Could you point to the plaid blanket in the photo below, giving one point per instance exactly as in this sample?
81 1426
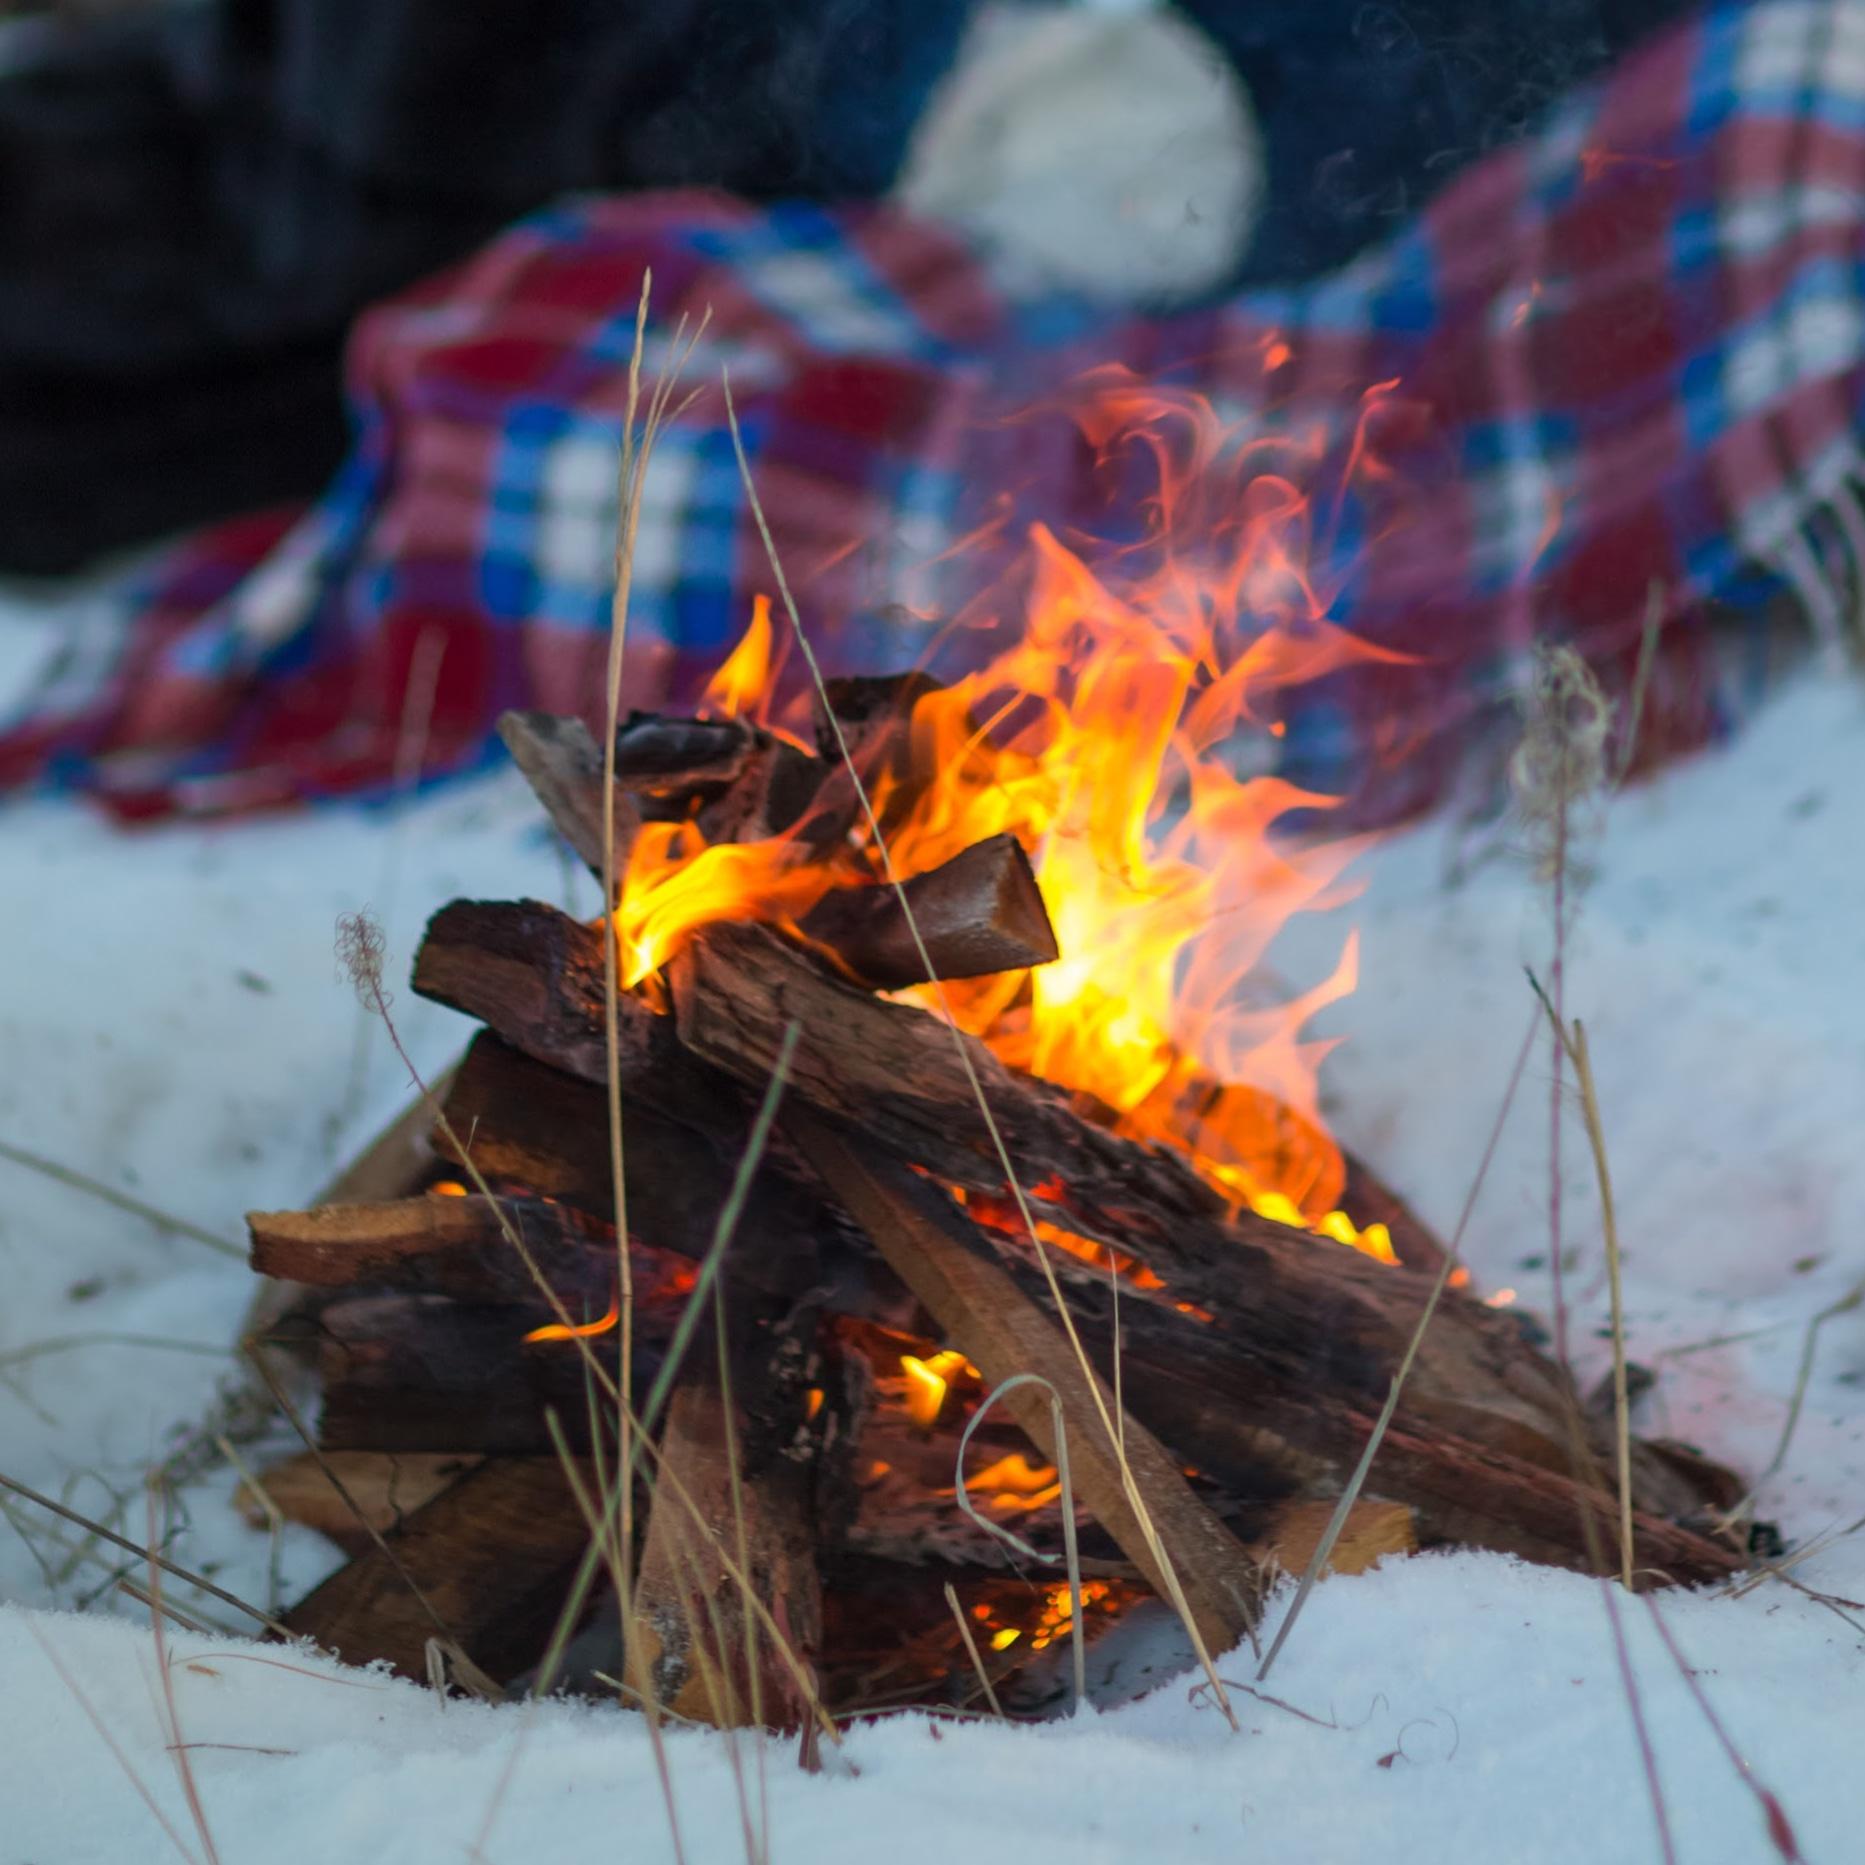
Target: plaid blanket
1624 354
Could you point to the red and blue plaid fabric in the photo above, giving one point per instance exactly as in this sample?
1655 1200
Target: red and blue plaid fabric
1626 353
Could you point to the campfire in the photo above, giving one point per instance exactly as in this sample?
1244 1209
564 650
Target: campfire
969 974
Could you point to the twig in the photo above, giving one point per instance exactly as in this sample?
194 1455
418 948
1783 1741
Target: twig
1070 1553
122 1201
181 1573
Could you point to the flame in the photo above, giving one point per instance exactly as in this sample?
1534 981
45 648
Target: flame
582 1330
1111 737
447 1188
744 680
927 1382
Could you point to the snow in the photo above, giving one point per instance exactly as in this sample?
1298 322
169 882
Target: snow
173 1022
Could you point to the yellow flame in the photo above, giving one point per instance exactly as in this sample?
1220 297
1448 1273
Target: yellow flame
927 1381
744 675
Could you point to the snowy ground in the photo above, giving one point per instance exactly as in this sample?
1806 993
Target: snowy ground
172 1020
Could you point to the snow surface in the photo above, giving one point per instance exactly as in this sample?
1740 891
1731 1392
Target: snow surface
172 1020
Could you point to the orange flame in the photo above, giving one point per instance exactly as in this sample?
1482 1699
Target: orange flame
1113 739
583 1330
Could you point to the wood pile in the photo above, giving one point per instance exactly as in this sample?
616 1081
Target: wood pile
877 1283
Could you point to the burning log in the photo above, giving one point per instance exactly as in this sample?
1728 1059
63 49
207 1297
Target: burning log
979 913
1008 1335
563 765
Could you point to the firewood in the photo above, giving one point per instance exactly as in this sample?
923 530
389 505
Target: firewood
979 913
673 761
1005 1334
709 1657
386 1486
563 764
486 1563
433 1246
420 1373
535 976
771 794
536 1126
1300 1314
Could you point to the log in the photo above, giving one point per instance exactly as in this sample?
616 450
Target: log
1305 1313
710 1659
489 1558
1005 1335
979 913
386 1487
535 1126
563 765
420 1373
434 1246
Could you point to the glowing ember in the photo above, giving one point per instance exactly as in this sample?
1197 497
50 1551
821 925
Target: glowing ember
1109 740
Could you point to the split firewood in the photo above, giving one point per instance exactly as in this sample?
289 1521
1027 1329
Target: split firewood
979 913
563 765
485 1564
434 1246
533 1125
379 1491
709 1655
1005 1335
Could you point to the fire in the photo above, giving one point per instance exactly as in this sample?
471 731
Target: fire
585 1330
1113 738
928 1381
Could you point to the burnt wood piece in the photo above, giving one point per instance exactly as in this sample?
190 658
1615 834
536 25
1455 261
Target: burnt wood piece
670 765
1004 1334
711 1659
491 1555
979 913
535 1126
771 794
876 717
420 1373
563 764
535 975
434 1245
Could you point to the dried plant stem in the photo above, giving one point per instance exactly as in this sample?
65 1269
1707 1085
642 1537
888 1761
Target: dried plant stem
1324 1548
971 1648
1071 1554
1803 1374
197 1581
122 1201
1135 1500
1573 1043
